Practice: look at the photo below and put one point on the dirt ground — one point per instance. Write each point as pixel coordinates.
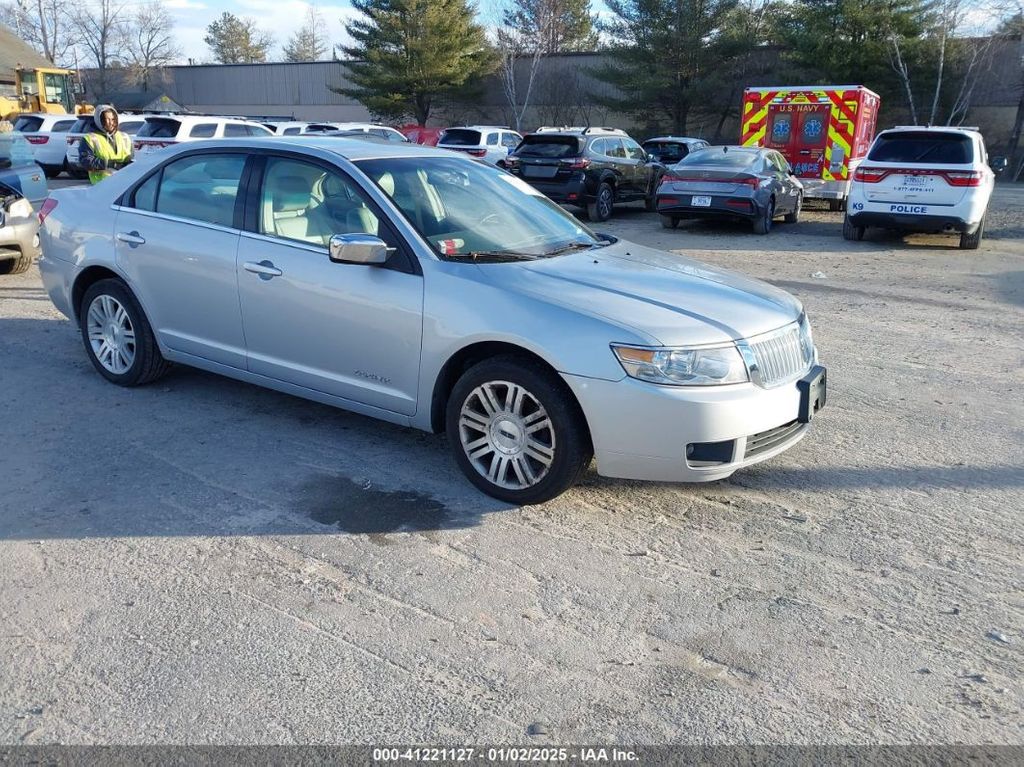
(204, 561)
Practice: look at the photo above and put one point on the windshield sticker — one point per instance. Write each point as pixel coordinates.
(450, 247)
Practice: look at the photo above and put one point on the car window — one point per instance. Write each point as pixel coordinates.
(600, 146)
(200, 187)
(923, 146)
(131, 128)
(234, 130)
(460, 137)
(731, 159)
(633, 149)
(203, 130)
(615, 148)
(258, 130)
(292, 131)
(511, 140)
(305, 202)
(541, 145)
(461, 207)
(666, 151)
(81, 124)
(393, 135)
(159, 127)
(492, 139)
(28, 124)
(62, 126)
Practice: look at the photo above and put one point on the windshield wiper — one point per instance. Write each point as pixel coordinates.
(575, 246)
(493, 255)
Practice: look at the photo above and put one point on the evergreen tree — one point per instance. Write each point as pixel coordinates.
(310, 42)
(664, 54)
(559, 25)
(237, 41)
(409, 53)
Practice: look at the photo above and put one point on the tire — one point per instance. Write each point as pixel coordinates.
(794, 217)
(130, 363)
(52, 171)
(836, 205)
(851, 232)
(763, 225)
(601, 208)
(16, 265)
(495, 433)
(973, 241)
(668, 222)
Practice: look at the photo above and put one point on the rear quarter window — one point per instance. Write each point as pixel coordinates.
(923, 147)
(159, 128)
(203, 130)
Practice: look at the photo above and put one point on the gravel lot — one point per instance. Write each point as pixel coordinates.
(205, 561)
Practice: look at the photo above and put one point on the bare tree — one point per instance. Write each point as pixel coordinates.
(46, 25)
(899, 66)
(149, 41)
(103, 26)
(309, 43)
(520, 52)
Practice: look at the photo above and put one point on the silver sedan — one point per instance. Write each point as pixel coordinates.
(426, 289)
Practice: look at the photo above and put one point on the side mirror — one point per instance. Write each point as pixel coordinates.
(999, 164)
(357, 249)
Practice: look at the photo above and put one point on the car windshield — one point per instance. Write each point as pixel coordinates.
(465, 209)
(549, 146)
(666, 151)
(719, 159)
(923, 146)
(460, 137)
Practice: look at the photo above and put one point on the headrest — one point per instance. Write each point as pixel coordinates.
(292, 193)
(387, 183)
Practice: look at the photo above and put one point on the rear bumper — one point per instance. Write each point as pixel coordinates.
(914, 222)
(572, 192)
(742, 208)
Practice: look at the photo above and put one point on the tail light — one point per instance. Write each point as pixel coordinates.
(753, 182)
(870, 175)
(576, 163)
(476, 152)
(47, 207)
(37, 139)
(963, 177)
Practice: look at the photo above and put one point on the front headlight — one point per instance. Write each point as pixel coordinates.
(683, 367)
(20, 209)
(807, 339)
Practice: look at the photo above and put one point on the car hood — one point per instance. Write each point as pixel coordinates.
(673, 299)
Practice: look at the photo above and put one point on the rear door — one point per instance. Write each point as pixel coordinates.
(176, 239)
(921, 168)
(799, 132)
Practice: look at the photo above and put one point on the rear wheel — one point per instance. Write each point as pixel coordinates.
(117, 335)
(516, 430)
(851, 232)
(601, 208)
(763, 225)
(836, 205)
(794, 217)
(972, 241)
(669, 222)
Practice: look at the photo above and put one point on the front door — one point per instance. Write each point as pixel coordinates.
(349, 330)
(176, 237)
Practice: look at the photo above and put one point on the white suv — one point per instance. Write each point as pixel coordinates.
(922, 180)
(46, 132)
(489, 143)
(166, 130)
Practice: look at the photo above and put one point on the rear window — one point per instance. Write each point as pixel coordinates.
(62, 126)
(923, 146)
(460, 137)
(28, 124)
(81, 125)
(131, 128)
(549, 146)
(732, 159)
(319, 128)
(159, 128)
(203, 130)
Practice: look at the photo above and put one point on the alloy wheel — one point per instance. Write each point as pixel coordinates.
(111, 334)
(507, 435)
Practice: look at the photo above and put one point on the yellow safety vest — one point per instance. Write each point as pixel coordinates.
(119, 152)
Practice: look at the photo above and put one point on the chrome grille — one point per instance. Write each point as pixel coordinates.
(781, 356)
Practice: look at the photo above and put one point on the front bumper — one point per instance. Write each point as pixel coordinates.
(19, 236)
(641, 431)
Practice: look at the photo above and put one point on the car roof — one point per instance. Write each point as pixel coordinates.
(932, 129)
(350, 150)
(680, 139)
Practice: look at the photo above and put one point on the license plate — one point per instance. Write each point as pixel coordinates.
(540, 171)
(700, 202)
(812, 388)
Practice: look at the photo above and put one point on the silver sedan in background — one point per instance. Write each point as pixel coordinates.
(426, 289)
(731, 182)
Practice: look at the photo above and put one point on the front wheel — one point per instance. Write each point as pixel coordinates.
(601, 208)
(516, 430)
(972, 241)
(117, 335)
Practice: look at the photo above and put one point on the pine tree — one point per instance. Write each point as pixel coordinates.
(310, 42)
(237, 41)
(409, 53)
(560, 25)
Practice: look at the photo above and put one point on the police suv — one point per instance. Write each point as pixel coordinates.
(922, 179)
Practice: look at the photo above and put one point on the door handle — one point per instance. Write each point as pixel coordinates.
(265, 269)
(131, 238)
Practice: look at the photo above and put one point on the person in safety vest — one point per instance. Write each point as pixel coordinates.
(104, 148)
